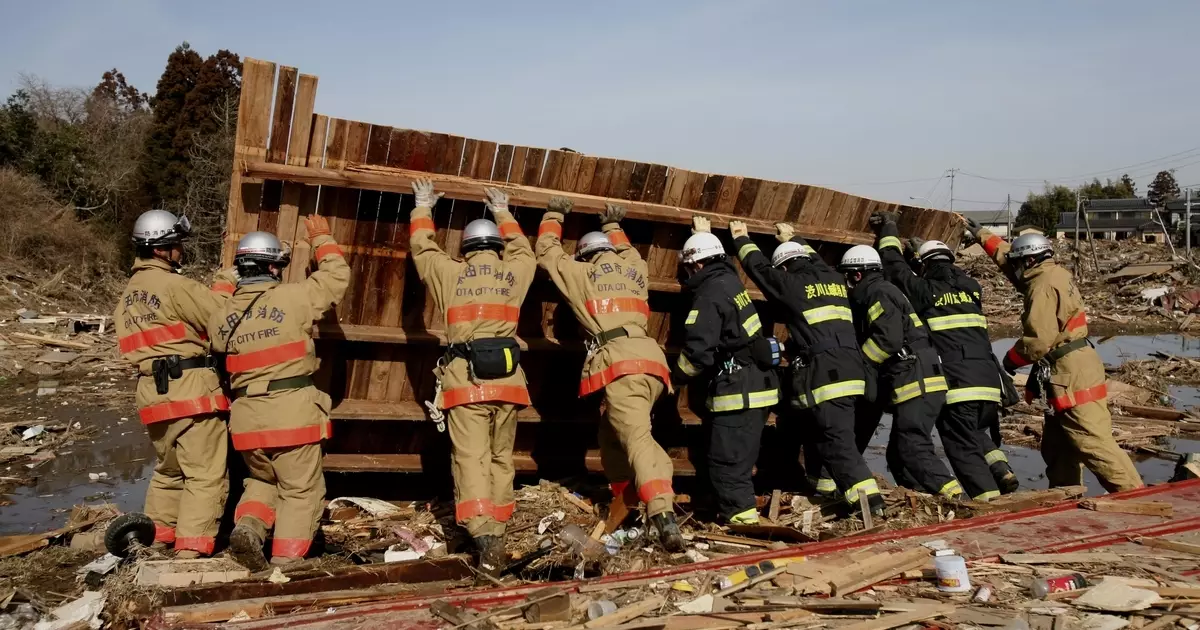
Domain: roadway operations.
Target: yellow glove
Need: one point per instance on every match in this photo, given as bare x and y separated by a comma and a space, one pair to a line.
700, 224
784, 232
738, 229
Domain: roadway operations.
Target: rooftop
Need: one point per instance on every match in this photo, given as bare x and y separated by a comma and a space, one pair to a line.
993, 217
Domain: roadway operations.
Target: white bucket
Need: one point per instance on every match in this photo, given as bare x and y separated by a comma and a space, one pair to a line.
952, 574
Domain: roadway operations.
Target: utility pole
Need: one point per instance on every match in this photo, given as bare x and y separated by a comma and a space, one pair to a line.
1077, 232
1008, 215
1187, 223
952, 172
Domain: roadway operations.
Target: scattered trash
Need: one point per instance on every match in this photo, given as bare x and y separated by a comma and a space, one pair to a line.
102, 565
549, 519
1041, 587
81, 613
277, 577
951, 572
32, 432
97, 476
599, 608
1112, 596
180, 573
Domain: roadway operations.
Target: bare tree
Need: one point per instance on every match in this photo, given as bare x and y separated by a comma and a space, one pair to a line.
207, 191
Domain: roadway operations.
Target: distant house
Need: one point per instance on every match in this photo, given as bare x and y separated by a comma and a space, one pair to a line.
1022, 230
1114, 220
996, 221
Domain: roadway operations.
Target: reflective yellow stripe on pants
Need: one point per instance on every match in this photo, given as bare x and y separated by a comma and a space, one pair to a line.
965, 394
946, 322
995, 456
867, 487
951, 488
987, 496
747, 517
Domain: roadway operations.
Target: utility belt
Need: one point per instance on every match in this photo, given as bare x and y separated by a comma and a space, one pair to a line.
280, 384
762, 351
967, 352
907, 352
171, 368
805, 355
1039, 375
490, 358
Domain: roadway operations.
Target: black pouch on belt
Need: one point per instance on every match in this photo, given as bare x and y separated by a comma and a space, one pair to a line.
164, 370
496, 357
766, 352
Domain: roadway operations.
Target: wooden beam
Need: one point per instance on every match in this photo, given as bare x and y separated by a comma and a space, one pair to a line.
1146, 508
400, 180
411, 463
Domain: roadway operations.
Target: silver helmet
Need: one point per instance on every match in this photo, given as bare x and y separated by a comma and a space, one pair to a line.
258, 249
1032, 244
481, 234
155, 228
591, 243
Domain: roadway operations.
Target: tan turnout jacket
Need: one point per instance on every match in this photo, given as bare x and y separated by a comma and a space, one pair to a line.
609, 292
273, 341
162, 313
479, 297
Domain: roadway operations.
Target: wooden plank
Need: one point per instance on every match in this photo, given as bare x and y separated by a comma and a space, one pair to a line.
1173, 545
627, 613
656, 183
618, 184
516, 173
250, 144
692, 190
1147, 508
569, 174
676, 181
281, 119
1078, 557
399, 180
877, 569
552, 173
347, 207
294, 195
602, 176
747, 196
504, 158
895, 620
711, 192
728, 195
637, 181
587, 172
523, 462
534, 160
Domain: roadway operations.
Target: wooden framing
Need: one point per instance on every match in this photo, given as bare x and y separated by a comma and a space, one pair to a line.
379, 348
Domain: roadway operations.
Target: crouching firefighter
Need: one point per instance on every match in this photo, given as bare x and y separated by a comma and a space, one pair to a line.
278, 418
827, 373
951, 304
908, 374
1067, 369
479, 381
606, 287
725, 348
160, 323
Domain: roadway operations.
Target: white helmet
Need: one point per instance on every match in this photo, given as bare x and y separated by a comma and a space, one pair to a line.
700, 247
591, 243
930, 250
1032, 244
159, 227
481, 234
860, 258
789, 250
258, 249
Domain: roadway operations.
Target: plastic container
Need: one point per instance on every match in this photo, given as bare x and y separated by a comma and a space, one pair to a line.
983, 594
599, 608
1041, 587
952, 574
579, 541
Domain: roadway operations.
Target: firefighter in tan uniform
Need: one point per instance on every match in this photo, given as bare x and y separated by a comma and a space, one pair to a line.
160, 329
1066, 367
480, 383
606, 287
278, 418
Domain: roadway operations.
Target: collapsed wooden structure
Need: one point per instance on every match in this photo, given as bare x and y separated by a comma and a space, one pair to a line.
379, 347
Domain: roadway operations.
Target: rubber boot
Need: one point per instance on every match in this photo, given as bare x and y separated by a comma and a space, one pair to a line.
667, 531
247, 548
492, 558
1005, 478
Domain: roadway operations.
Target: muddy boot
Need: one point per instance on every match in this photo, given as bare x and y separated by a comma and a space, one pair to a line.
664, 527
492, 558
187, 554
1005, 478
247, 548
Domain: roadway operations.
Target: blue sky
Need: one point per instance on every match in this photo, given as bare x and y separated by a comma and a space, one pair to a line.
853, 95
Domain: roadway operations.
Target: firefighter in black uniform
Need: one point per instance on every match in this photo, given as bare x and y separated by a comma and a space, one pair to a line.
725, 345
827, 372
908, 374
949, 302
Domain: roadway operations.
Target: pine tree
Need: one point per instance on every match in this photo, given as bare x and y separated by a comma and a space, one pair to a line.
165, 164
1164, 188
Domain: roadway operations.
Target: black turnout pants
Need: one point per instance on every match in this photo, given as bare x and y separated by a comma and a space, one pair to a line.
833, 425
734, 440
964, 429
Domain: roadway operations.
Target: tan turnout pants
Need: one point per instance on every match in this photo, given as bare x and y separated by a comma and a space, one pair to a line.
481, 438
627, 450
190, 481
285, 490
1082, 436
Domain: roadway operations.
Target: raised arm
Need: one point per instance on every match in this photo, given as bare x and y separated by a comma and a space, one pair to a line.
996, 247
769, 280
562, 268
610, 223
518, 254
895, 267
327, 285
426, 254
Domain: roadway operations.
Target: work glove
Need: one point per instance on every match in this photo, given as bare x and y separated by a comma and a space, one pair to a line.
612, 214
880, 217
738, 229
784, 232
701, 224
560, 204
315, 225
497, 200
914, 244
971, 229
423, 189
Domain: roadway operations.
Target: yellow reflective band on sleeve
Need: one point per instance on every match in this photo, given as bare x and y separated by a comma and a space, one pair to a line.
752, 324
906, 392
875, 311
916, 320
952, 488
686, 366
890, 241
935, 384
508, 366
828, 313
947, 322
840, 389
824, 485
874, 352
964, 394
867, 487
691, 318
731, 402
748, 517
746, 249
987, 496
765, 398
995, 456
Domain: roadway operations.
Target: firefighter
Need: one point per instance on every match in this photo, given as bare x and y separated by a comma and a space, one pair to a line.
950, 303
908, 373
828, 375
479, 381
278, 417
1067, 369
606, 287
726, 350
160, 323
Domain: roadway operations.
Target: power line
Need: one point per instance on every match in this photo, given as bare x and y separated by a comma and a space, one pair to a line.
1164, 160
897, 181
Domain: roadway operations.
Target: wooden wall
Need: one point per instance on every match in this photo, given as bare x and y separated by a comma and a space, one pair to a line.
379, 347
